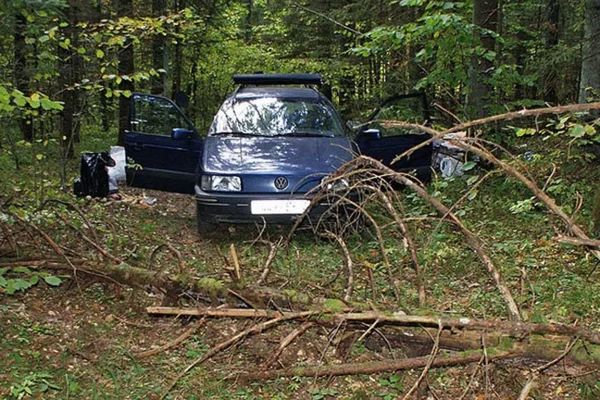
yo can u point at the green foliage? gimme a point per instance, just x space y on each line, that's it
20 279
33 384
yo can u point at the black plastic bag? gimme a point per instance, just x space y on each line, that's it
93 180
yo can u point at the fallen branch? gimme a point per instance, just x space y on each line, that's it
473 241
272 253
286 342
189 332
515 329
577 241
222 346
374 367
434 351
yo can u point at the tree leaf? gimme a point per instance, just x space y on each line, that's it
469 165
52 280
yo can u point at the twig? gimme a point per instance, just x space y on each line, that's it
173 250
180 339
534 373
236 262
272 253
286 342
434 351
348 262
223 345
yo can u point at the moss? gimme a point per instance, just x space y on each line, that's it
213 287
506 343
297 297
334 305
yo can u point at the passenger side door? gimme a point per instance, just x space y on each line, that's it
385 143
163 148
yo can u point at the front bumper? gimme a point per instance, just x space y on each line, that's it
235 207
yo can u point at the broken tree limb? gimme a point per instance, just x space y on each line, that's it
223 345
548 201
515 329
577 241
375 367
180 339
523 114
286 342
473 241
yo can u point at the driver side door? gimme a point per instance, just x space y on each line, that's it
163 148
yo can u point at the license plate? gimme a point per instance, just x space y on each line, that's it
268 207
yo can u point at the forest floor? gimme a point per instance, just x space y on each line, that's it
80 340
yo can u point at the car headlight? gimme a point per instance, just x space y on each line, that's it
336 185
220 183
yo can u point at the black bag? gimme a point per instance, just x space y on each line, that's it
93 180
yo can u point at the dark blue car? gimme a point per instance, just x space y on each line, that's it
270 145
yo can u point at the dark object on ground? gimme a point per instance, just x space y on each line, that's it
93 180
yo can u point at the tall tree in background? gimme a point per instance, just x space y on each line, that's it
159 52
20 71
485 17
126 67
590 54
551 39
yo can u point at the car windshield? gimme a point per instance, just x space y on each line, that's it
270 116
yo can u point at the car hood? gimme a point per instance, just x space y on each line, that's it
281 155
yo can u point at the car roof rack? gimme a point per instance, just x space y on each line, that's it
277 79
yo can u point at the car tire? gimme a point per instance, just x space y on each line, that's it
203 226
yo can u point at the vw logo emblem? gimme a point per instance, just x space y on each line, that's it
281 182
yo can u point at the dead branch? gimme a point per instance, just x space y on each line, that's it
272 253
573 108
173 250
534 373
180 339
286 342
549 202
227 343
236 263
577 241
512 328
410 244
349 264
434 351
375 367
473 241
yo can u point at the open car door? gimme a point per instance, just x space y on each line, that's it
386 144
163 147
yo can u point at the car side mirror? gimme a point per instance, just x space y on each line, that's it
181 134
372 134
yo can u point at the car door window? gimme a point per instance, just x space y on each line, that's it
156 116
409 109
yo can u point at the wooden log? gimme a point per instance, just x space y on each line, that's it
515 329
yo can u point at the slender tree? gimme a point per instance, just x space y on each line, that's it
20 71
159 52
589 86
126 67
485 17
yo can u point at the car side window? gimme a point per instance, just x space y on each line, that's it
405 110
156 116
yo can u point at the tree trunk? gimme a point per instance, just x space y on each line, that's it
178 62
552 36
589 86
20 72
126 67
485 17
159 49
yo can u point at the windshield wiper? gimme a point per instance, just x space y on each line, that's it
232 133
304 134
